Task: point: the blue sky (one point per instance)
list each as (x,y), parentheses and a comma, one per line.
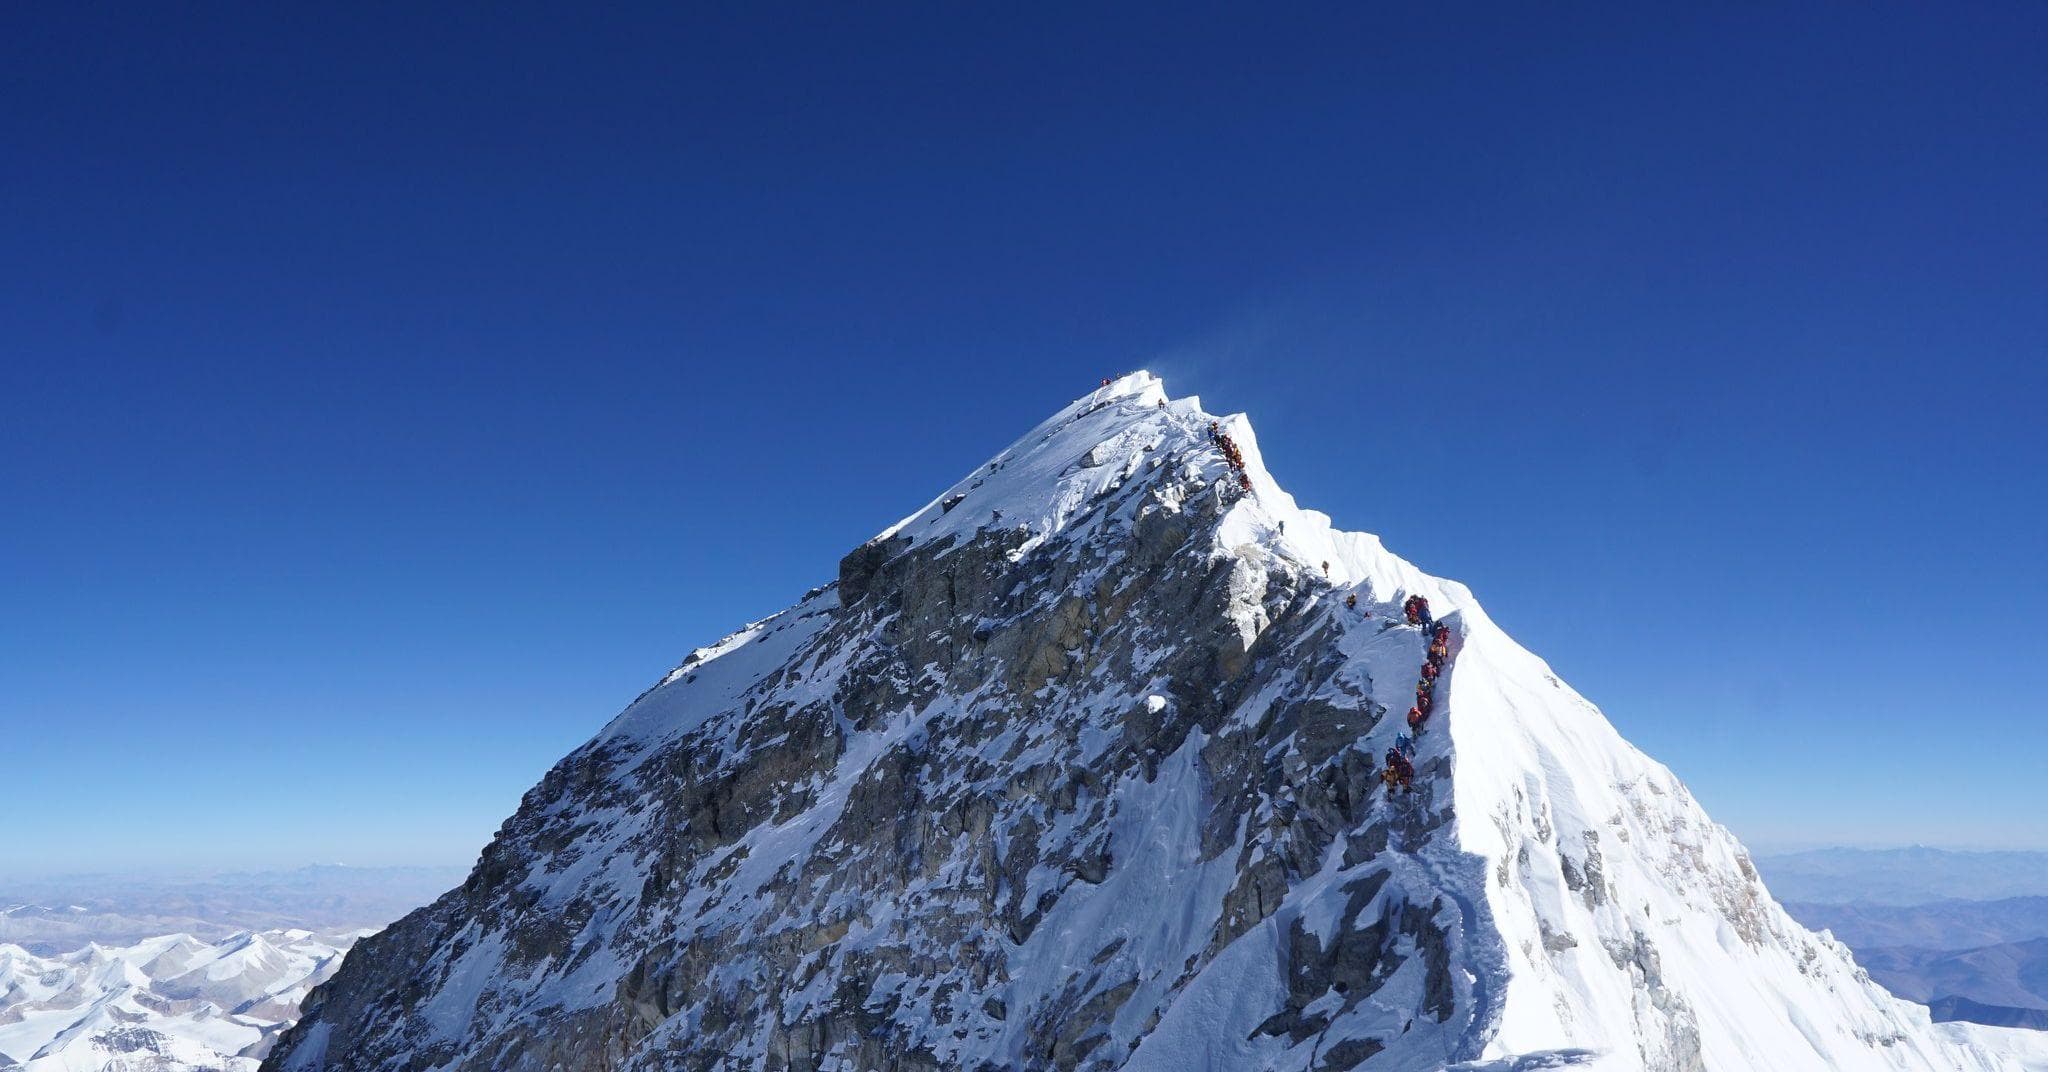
(387,397)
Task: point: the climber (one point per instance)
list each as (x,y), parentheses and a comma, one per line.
(1439,650)
(1105,381)
(1392,780)
(1429,671)
(1404,744)
(1415,720)
(1418,612)
(1402,770)
(1443,634)
(1351,601)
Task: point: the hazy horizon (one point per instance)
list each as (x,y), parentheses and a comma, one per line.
(197,873)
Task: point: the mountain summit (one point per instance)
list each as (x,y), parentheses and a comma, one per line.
(1084,766)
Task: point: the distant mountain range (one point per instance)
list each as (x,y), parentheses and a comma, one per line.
(2013,975)
(1941,925)
(52,916)
(1965,933)
(1909,876)
(169,1004)
(126,973)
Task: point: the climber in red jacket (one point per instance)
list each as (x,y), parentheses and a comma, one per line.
(1399,771)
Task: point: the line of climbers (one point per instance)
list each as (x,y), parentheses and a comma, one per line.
(1400,773)
(1230,453)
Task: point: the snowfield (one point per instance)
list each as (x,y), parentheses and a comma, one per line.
(1078,767)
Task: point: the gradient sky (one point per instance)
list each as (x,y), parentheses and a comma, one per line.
(387,397)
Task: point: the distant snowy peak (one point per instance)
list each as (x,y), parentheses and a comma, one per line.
(1114,757)
(165,1004)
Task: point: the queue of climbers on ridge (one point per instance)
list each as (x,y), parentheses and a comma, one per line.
(1400,772)
(1229,448)
(1230,453)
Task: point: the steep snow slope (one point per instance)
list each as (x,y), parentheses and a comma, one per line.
(1078,767)
(168,1004)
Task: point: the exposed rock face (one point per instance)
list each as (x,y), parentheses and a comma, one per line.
(1076,769)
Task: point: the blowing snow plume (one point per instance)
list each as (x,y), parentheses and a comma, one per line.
(1084,766)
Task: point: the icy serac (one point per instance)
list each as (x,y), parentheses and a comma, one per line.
(1078,768)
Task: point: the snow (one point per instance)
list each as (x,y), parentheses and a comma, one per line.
(1594,916)
(1158,902)
(1530,754)
(453,1005)
(1070,453)
(2027,1049)
(712,679)
(176,997)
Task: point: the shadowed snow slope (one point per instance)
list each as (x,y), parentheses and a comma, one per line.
(1078,767)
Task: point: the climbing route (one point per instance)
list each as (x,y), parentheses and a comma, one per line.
(1230,453)
(1436,640)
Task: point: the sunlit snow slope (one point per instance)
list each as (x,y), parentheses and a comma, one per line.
(1079,767)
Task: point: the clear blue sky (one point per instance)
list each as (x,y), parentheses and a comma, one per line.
(387,397)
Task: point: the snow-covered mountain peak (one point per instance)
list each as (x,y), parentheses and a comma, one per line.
(1112,757)
(1099,445)
(1039,482)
